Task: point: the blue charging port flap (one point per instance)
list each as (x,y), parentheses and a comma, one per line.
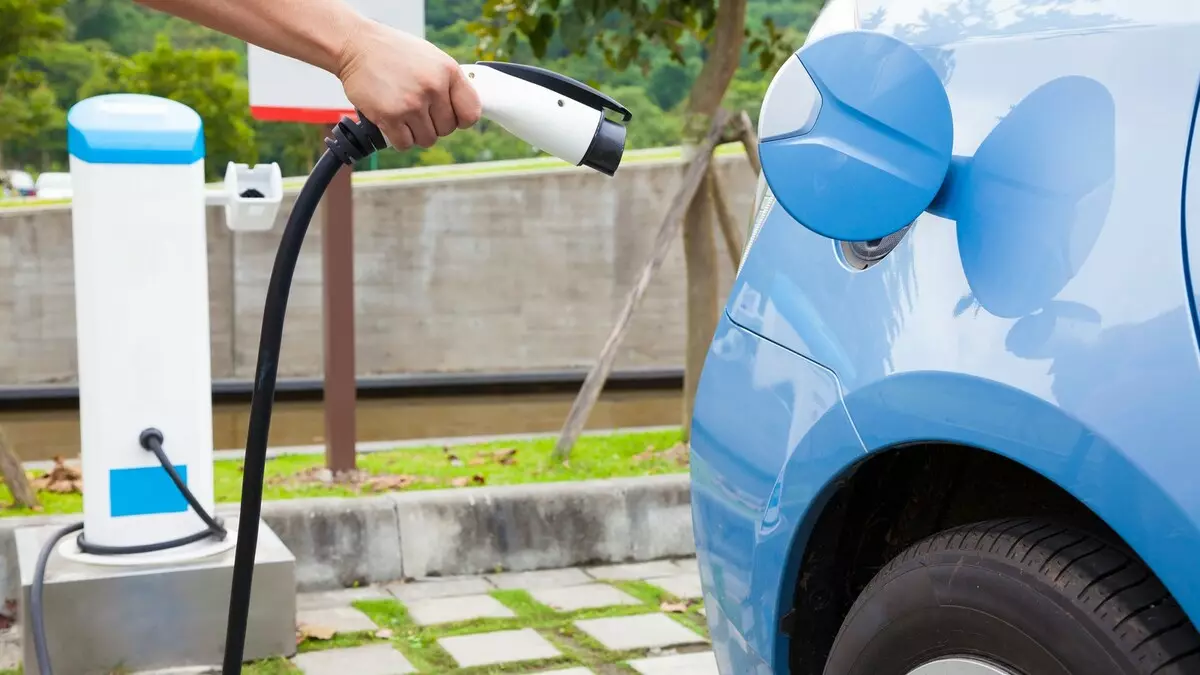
(858,136)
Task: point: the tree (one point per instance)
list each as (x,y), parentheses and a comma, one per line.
(206,79)
(621,29)
(27,106)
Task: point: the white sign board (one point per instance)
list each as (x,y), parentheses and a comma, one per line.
(283,89)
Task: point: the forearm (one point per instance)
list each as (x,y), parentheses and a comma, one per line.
(313,31)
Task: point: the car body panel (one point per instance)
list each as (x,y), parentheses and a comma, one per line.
(1041,310)
(770,429)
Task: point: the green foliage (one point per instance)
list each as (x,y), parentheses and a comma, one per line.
(25,25)
(618,28)
(28,108)
(206,79)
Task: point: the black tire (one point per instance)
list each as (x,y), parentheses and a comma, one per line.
(1032,596)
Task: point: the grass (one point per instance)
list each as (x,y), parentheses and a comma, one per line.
(433,467)
(419,644)
(448,171)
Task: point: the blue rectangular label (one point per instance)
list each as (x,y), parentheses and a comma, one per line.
(145,491)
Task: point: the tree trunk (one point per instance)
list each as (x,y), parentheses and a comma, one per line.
(14,476)
(696,172)
(699,245)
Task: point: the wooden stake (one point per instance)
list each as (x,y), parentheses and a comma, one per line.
(341,384)
(749,139)
(667,233)
(733,240)
(14,475)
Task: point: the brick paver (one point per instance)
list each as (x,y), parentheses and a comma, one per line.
(463,608)
(698,663)
(540,579)
(644,631)
(686,586)
(340,619)
(575,598)
(339,598)
(440,588)
(500,647)
(368,660)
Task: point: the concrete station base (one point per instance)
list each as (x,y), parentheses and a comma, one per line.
(103,619)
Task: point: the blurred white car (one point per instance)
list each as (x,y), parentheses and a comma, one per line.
(54,185)
(20,184)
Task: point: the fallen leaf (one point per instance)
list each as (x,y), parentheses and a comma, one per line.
(673,607)
(506,456)
(461,481)
(680,454)
(478,461)
(306,631)
(393,482)
(454,460)
(478,479)
(384,634)
(61,479)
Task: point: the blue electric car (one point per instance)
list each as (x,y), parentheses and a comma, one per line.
(947,424)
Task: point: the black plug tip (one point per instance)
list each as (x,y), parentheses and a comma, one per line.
(608,145)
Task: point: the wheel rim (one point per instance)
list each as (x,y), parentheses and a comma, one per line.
(960,665)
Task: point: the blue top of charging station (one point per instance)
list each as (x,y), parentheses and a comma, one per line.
(134,129)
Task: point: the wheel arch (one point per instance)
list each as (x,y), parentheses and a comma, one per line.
(932,464)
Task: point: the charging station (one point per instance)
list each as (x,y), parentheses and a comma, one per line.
(135,589)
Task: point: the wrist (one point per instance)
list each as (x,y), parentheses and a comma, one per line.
(352,33)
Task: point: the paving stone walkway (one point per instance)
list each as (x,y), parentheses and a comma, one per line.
(642,618)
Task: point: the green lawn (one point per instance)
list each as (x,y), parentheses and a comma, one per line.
(433,467)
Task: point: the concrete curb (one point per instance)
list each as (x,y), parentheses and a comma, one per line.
(340,542)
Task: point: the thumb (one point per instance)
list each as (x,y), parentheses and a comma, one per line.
(465,101)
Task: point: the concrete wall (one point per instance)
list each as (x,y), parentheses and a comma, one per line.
(486,273)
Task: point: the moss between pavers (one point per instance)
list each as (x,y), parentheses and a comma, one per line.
(595,456)
(419,643)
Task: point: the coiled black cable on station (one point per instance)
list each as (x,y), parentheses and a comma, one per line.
(151,440)
(348,142)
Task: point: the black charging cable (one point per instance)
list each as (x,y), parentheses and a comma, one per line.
(348,142)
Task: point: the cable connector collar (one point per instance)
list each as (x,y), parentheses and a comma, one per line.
(352,140)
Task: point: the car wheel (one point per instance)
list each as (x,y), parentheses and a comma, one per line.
(1015,597)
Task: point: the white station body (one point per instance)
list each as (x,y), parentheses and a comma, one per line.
(142,314)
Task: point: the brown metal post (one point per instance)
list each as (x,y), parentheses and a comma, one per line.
(337,253)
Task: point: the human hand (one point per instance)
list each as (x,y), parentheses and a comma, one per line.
(413,91)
